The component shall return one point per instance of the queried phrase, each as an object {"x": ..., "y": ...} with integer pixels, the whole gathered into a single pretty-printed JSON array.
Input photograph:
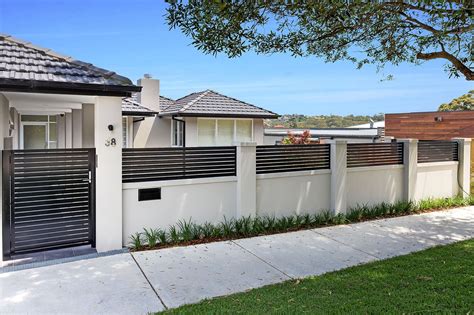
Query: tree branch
[{"x": 468, "y": 73}]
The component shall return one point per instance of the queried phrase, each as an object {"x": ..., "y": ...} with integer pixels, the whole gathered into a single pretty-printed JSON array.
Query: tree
[
  {"x": 364, "y": 32},
  {"x": 304, "y": 138},
  {"x": 464, "y": 102}
]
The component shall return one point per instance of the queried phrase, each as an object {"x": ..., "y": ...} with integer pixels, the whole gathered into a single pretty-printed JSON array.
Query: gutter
[
  {"x": 206, "y": 115},
  {"x": 33, "y": 86}
]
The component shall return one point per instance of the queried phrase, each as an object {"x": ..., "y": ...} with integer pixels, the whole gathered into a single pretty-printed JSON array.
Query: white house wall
[
  {"x": 202, "y": 200},
  {"x": 77, "y": 128},
  {"x": 284, "y": 194},
  {"x": 88, "y": 125},
  {"x": 258, "y": 131}
]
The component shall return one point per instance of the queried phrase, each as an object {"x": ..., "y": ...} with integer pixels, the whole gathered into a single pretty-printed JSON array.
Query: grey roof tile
[
  {"x": 131, "y": 106},
  {"x": 24, "y": 61},
  {"x": 212, "y": 104}
]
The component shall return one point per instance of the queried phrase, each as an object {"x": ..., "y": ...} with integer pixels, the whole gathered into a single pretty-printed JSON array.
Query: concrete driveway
[{"x": 155, "y": 280}]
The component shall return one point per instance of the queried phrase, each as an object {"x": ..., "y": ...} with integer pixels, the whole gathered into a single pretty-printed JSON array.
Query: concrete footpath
[{"x": 152, "y": 281}]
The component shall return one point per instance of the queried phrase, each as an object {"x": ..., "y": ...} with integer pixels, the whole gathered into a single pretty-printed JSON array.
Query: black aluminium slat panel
[
  {"x": 154, "y": 164},
  {"x": 374, "y": 154},
  {"x": 437, "y": 151},
  {"x": 291, "y": 158},
  {"x": 52, "y": 199}
]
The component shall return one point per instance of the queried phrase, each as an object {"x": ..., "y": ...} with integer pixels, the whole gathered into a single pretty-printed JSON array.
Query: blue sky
[{"x": 131, "y": 38}]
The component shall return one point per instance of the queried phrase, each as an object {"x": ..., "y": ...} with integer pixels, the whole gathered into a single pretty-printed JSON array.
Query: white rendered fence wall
[{"x": 296, "y": 192}]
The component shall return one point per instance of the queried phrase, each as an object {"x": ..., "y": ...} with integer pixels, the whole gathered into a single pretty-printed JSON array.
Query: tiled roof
[
  {"x": 165, "y": 102},
  {"x": 212, "y": 104},
  {"x": 21, "y": 61},
  {"x": 131, "y": 107}
]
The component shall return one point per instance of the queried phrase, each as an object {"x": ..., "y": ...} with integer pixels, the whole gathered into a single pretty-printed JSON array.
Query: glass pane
[
  {"x": 34, "y": 137},
  {"x": 244, "y": 130},
  {"x": 52, "y": 118},
  {"x": 34, "y": 118},
  {"x": 124, "y": 132},
  {"x": 225, "y": 132},
  {"x": 206, "y": 132},
  {"x": 53, "y": 132},
  {"x": 179, "y": 133},
  {"x": 53, "y": 145}
]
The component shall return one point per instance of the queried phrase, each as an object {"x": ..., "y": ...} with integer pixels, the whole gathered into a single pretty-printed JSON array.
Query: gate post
[
  {"x": 108, "y": 144},
  {"x": 5, "y": 174}
]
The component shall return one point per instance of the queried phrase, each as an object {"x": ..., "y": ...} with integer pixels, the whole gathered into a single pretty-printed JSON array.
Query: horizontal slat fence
[
  {"x": 51, "y": 198},
  {"x": 437, "y": 151},
  {"x": 291, "y": 158},
  {"x": 154, "y": 164},
  {"x": 374, "y": 154}
]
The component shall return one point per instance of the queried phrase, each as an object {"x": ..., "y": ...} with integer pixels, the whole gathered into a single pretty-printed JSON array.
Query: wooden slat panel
[{"x": 424, "y": 126}]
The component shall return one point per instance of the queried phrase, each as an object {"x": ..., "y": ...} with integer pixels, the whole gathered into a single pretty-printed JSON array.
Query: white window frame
[
  {"x": 125, "y": 128},
  {"x": 180, "y": 126},
  {"x": 216, "y": 128},
  {"x": 47, "y": 125}
]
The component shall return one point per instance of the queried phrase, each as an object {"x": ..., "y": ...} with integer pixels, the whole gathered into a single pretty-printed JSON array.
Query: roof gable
[
  {"x": 25, "y": 66},
  {"x": 212, "y": 104}
]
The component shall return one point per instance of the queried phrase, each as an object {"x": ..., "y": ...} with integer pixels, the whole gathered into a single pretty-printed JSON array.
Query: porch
[{"x": 60, "y": 151}]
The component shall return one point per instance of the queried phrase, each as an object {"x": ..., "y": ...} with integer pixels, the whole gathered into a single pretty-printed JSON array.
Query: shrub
[
  {"x": 186, "y": 231},
  {"x": 151, "y": 237}
]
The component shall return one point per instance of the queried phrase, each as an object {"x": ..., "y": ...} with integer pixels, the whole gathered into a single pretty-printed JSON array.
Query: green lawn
[{"x": 438, "y": 280}]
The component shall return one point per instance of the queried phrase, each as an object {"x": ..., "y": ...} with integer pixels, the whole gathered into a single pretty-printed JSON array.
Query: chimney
[{"x": 150, "y": 94}]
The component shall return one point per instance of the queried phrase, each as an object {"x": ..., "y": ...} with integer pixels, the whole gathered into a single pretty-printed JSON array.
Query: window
[
  {"x": 224, "y": 132},
  {"x": 39, "y": 132},
  {"x": 244, "y": 130},
  {"x": 177, "y": 133},
  {"x": 125, "y": 132},
  {"x": 206, "y": 132}
]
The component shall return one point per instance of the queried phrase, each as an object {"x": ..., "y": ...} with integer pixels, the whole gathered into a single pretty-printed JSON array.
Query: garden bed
[{"x": 186, "y": 233}]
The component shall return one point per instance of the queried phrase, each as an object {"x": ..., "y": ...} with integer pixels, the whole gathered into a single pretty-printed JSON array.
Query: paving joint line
[
  {"x": 149, "y": 283},
  {"x": 264, "y": 261},
  {"x": 350, "y": 246}
]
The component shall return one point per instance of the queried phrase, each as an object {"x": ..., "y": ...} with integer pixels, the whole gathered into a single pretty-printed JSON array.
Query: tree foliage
[
  {"x": 364, "y": 32},
  {"x": 463, "y": 102},
  {"x": 321, "y": 121}
]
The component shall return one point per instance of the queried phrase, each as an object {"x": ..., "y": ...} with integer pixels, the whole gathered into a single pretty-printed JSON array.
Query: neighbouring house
[
  {"x": 204, "y": 118},
  {"x": 350, "y": 134},
  {"x": 432, "y": 126},
  {"x": 66, "y": 181}
]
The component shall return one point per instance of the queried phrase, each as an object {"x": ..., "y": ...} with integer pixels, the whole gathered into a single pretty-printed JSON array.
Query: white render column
[
  {"x": 338, "y": 176},
  {"x": 410, "y": 168},
  {"x": 246, "y": 179},
  {"x": 464, "y": 167},
  {"x": 108, "y": 111}
]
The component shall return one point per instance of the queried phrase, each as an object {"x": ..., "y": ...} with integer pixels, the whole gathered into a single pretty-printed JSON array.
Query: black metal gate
[{"x": 48, "y": 199}]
